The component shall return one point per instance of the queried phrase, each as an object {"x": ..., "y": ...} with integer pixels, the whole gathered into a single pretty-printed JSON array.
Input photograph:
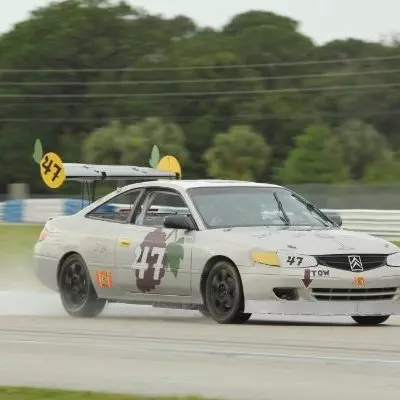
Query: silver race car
[{"x": 227, "y": 248}]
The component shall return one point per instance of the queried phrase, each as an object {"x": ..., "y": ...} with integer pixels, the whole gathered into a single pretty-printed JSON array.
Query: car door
[
  {"x": 101, "y": 234},
  {"x": 159, "y": 258}
]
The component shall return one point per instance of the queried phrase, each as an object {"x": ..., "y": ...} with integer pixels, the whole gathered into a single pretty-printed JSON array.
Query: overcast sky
[{"x": 323, "y": 20}]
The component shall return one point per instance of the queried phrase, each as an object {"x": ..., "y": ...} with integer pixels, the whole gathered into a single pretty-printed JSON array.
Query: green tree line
[{"x": 257, "y": 99}]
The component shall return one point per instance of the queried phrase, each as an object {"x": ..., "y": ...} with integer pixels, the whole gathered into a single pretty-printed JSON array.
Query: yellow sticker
[
  {"x": 52, "y": 170},
  {"x": 265, "y": 257},
  {"x": 125, "y": 242},
  {"x": 170, "y": 164}
]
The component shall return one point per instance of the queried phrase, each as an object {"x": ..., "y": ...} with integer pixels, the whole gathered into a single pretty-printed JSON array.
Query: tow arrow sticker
[{"x": 307, "y": 278}]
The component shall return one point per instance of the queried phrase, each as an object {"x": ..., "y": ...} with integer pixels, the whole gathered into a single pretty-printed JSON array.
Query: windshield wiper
[
  {"x": 311, "y": 207},
  {"x": 285, "y": 217}
]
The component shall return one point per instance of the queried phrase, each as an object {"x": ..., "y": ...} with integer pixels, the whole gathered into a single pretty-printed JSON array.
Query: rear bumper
[{"x": 46, "y": 271}]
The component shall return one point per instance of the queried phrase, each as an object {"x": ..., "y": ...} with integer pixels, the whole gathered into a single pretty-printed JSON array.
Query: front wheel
[
  {"x": 370, "y": 319},
  {"x": 224, "y": 298},
  {"x": 77, "y": 293}
]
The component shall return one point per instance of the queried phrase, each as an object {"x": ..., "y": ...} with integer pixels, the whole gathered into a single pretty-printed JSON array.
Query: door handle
[{"x": 125, "y": 242}]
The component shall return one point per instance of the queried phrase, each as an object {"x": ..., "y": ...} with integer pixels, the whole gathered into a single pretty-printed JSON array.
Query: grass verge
[
  {"x": 17, "y": 241},
  {"x": 20, "y": 393}
]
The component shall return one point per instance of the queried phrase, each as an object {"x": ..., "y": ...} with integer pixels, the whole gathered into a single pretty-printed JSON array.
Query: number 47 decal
[
  {"x": 140, "y": 262},
  {"x": 292, "y": 259},
  {"x": 48, "y": 164}
]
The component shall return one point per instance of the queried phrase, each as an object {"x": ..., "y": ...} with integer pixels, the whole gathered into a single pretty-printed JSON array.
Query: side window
[
  {"x": 163, "y": 204},
  {"x": 117, "y": 209}
]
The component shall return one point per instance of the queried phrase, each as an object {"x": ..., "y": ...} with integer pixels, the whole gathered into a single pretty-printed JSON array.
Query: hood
[{"x": 308, "y": 241}]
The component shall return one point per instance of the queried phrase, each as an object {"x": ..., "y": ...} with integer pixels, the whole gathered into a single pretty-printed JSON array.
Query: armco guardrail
[
  {"x": 37, "y": 210},
  {"x": 381, "y": 223}
]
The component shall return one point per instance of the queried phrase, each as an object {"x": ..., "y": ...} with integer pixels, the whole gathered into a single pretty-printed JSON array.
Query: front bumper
[
  {"x": 317, "y": 308},
  {"x": 330, "y": 292}
]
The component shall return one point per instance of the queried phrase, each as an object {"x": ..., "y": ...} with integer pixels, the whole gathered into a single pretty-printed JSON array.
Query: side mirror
[
  {"x": 179, "y": 222},
  {"x": 337, "y": 219}
]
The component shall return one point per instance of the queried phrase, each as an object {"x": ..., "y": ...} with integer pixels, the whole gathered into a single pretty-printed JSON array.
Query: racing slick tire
[
  {"x": 370, "y": 319},
  {"x": 224, "y": 298},
  {"x": 77, "y": 293}
]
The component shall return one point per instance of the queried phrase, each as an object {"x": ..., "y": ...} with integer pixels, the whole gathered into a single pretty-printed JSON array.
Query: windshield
[{"x": 255, "y": 206}]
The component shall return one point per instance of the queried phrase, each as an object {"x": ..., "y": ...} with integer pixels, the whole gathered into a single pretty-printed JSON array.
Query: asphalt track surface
[{"x": 153, "y": 351}]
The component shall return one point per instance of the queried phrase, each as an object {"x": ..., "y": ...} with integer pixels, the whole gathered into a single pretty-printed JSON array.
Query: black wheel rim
[
  {"x": 75, "y": 285},
  {"x": 223, "y": 291}
]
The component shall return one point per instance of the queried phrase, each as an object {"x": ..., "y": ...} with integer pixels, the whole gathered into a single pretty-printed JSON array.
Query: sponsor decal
[
  {"x": 100, "y": 250},
  {"x": 104, "y": 279},
  {"x": 359, "y": 281}
]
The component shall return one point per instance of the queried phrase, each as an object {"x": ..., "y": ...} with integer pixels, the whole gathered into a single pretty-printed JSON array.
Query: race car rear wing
[
  {"x": 93, "y": 172},
  {"x": 55, "y": 172},
  {"x": 89, "y": 174}
]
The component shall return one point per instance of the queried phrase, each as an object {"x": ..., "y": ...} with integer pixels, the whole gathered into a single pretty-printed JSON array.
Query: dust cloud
[
  {"x": 16, "y": 275},
  {"x": 21, "y": 294}
]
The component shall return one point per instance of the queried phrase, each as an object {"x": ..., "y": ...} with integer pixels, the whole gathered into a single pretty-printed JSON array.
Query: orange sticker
[
  {"x": 104, "y": 279},
  {"x": 359, "y": 280}
]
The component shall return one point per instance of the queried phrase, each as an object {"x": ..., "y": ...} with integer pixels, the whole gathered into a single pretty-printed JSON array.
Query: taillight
[{"x": 43, "y": 235}]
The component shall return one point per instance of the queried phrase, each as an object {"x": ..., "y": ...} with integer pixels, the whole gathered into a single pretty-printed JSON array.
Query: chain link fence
[{"x": 355, "y": 196}]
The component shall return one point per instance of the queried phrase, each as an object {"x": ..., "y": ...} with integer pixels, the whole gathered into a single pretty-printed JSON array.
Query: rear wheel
[
  {"x": 77, "y": 293},
  {"x": 370, "y": 319},
  {"x": 224, "y": 298}
]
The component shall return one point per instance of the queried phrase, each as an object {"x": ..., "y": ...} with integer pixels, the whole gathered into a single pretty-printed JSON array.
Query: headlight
[
  {"x": 393, "y": 260},
  {"x": 283, "y": 259}
]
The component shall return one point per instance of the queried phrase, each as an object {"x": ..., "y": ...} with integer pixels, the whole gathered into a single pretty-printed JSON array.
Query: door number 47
[{"x": 294, "y": 260}]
